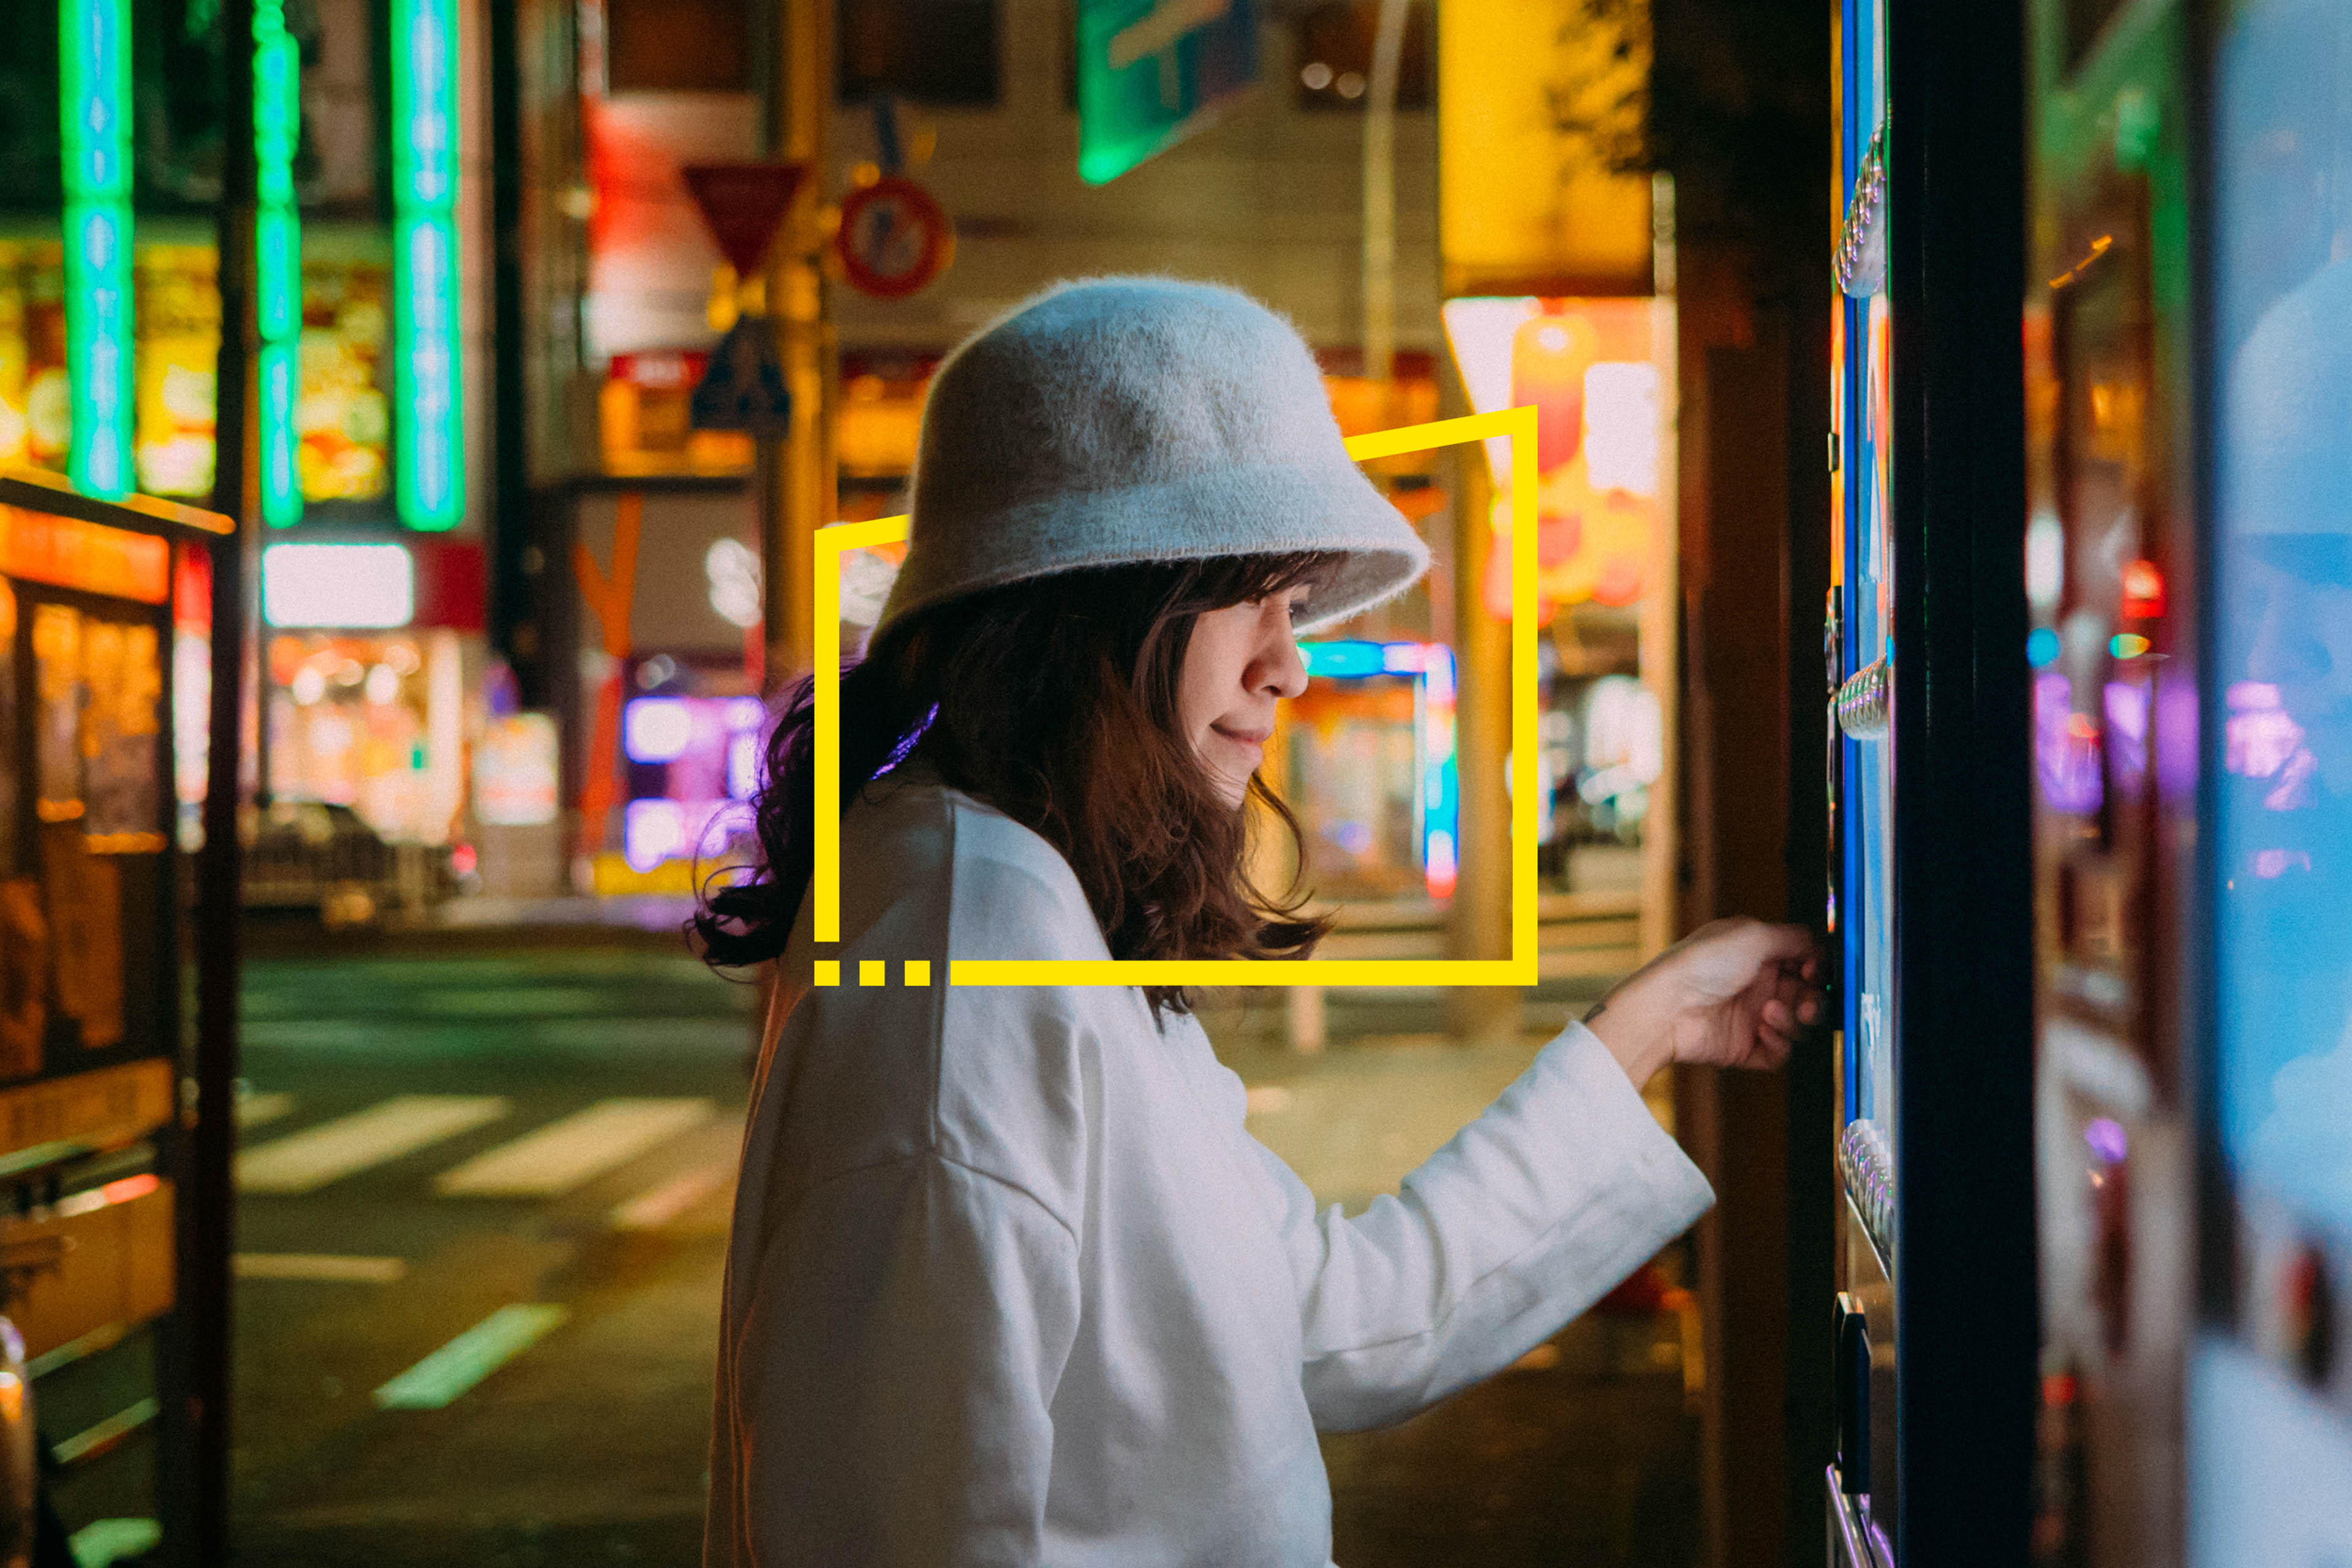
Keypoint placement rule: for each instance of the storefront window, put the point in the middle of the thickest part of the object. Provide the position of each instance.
(370, 723)
(678, 46)
(931, 51)
(1596, 372)
(344, 416)
(178, 338)
(642, 418)
(35, 398)
(1332, 46)
(344, 419)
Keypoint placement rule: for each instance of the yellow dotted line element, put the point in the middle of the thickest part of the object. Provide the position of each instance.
(872, 972)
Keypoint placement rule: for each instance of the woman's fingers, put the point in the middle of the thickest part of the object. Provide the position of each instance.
(1745, 990)
(1777, 945)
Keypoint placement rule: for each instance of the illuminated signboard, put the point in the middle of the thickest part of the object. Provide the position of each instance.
(348, 586)
(429, 486)
(94, 76)
(278, 257)
(41, 547)
(1592, 370)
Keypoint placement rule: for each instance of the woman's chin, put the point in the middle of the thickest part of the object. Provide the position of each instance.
(1234, 790)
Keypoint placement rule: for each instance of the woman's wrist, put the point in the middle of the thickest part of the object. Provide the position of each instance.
(1629, 1025)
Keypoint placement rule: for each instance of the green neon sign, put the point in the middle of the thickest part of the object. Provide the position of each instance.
(1152, 72)
(278, 258)
(429, 465)
(94, 74)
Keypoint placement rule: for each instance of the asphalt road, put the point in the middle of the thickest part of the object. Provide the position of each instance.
(480, 1239)
(379, 1227)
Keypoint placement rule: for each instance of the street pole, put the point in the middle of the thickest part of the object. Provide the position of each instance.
(199, 1351)
(1479, 922)
(798, 489)
(515, 632)
(1660, 642)
(1379, 201)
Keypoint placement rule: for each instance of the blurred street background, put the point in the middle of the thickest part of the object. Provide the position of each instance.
(458, 390)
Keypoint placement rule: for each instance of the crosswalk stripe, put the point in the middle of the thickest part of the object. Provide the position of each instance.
(89, 1443)
(578, 1149)
(306, 1160)
(102, 1542)
(656, 1207)
(472, 1356)
(335, 1268)
(253, 1110)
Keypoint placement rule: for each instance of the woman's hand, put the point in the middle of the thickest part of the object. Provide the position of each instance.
(1733, 993)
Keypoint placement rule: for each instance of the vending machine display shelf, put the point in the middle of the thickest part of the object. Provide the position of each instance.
(1867, 1168)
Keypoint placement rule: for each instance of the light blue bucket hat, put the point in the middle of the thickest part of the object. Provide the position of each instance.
(1111, 420)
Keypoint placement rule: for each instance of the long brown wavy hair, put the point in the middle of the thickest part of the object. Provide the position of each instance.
(1055, 701)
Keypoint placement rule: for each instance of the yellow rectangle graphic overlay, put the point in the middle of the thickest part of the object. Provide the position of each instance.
(1519, 969)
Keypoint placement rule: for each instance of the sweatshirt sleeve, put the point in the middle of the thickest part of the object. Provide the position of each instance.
(1530, 1213)
(895, 1370)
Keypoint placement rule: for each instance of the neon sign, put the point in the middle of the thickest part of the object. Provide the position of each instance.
(278, 257)
(94, 74)
(429, 465)
(1438, 801)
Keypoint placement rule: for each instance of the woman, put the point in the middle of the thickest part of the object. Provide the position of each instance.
(1010, 1281)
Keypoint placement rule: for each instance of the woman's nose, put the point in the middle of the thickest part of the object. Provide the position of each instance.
(1280, 669)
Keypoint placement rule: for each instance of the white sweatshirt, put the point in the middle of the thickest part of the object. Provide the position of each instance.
(1010, 1281)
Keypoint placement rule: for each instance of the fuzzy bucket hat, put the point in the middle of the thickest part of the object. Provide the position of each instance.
(1112, 420)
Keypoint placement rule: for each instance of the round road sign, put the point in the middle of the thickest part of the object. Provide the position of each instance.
(894, 239)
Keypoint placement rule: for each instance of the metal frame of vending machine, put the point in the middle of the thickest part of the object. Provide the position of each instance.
(116, 1211)
(1929, 903)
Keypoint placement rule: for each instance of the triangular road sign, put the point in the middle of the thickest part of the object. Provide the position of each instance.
(743, 386)
(741, 204)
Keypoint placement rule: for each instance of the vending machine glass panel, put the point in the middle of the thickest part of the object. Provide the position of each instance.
(2269, 1422)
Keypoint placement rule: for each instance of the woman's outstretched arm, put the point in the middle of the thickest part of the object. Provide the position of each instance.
(1538, 1208)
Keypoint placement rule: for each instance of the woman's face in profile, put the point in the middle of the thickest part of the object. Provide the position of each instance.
(1239, 663)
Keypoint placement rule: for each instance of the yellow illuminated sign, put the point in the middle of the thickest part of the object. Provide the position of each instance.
(1536, 100)
(1519, 424)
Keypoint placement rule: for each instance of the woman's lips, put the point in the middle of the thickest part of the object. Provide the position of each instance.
(1254, 738)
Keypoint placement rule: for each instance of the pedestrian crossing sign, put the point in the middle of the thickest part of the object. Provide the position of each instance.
(743, 386)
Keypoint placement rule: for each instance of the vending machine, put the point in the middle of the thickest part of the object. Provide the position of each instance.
(1929, 902)
(100, 1229)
